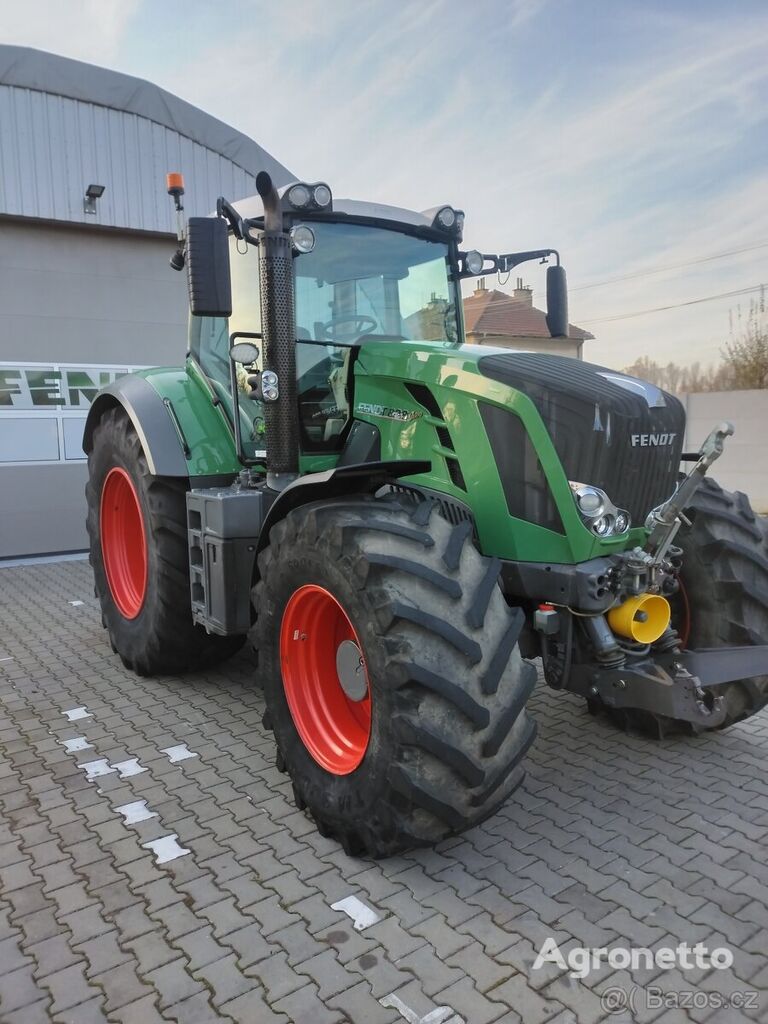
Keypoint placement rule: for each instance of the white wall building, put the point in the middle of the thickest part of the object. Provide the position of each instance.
(85, 287)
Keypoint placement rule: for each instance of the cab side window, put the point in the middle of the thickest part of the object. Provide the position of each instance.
(209, 341)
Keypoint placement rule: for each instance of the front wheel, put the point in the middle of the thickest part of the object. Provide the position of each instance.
(722, 601)
(724, 594)
(391, 671)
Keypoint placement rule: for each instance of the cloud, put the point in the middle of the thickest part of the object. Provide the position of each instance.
(90, 30)
(627, 136)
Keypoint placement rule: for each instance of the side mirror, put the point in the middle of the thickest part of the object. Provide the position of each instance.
(557, 302)
(208, 277)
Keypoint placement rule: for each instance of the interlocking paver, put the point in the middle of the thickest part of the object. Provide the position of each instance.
(611, 839)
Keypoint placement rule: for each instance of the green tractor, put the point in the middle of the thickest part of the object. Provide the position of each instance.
(399, 522)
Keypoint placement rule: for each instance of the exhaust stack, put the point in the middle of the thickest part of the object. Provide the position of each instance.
(278, 325)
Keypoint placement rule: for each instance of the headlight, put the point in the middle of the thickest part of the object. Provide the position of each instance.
(269, 387)
(446, 218)
(302, 238)
(598, 512)
(623, 522)
(322, 195)
(602, 525)
(589, 499)
(299, 196)
(473, 262)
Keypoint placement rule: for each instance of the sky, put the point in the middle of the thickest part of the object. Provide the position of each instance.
(632, 137)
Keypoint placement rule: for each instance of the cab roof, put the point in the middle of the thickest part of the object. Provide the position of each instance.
(253, 208)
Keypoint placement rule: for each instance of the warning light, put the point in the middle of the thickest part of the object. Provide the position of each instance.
(174, 182)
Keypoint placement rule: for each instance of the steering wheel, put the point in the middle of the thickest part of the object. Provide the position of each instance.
(360, 325)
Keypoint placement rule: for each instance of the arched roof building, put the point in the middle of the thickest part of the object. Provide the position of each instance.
(85, 288)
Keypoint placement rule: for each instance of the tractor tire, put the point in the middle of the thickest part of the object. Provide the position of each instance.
(138, 551)
(724, 600)
(432, 738)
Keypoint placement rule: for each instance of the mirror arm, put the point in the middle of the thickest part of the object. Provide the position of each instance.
(226, 210)
(508, 260)
(503, 263)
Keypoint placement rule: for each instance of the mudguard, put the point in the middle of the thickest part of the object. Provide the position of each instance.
(150, 414)
(364, 478)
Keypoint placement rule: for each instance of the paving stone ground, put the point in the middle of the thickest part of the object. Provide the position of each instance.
(613, 840)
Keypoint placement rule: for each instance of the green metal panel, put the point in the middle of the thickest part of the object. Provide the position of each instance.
(407, 430)
(205, 426)
(452, 375)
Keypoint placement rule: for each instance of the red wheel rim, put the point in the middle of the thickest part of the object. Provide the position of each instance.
(334, 728)
(123, 542)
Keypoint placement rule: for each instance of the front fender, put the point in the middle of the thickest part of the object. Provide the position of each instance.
(364, 478)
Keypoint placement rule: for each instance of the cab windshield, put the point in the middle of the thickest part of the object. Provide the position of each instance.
(362, 282)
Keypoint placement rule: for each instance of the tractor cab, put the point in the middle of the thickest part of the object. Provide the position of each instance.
(358, 277)
(310, 281)
(360, 272)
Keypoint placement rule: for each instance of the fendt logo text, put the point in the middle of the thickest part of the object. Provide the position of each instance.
(652, 440)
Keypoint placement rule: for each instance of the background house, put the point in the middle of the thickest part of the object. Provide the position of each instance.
(492, 317)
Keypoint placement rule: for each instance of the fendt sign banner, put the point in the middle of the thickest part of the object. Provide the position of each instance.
(43, 408)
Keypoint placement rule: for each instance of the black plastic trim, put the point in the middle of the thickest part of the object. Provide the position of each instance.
(365, 478)
(583, 586)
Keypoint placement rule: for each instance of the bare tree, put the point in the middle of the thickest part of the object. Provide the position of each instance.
(746, 355)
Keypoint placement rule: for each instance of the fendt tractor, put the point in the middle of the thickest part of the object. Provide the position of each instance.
(399, 522)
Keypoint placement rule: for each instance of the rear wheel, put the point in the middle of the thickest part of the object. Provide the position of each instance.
(138, 550)
(391, 671)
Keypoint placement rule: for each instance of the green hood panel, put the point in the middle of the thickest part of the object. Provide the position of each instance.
(410, 430)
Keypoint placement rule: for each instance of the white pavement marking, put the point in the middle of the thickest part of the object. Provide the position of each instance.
(440, 1014)
(135, 812)
(6, 659)
(74, 714)
(363, 915)
(93, 769)
(78, 743)
(178, 753)
(166, 848)
(129, 768)
(75, 604)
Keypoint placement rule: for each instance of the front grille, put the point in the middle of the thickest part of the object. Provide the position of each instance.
(592, 415)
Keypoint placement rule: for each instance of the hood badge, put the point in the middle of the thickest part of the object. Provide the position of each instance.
(653, 440)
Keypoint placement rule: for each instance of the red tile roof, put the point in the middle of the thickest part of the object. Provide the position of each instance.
(495, 312)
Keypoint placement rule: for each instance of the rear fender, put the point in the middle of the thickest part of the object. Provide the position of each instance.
(160, 436)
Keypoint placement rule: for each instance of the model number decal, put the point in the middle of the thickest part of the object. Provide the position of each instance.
(652, 440)
(386, 412)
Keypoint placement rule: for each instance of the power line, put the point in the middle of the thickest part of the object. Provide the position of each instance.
(675, 305)
(671, 266)
(511, 301)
